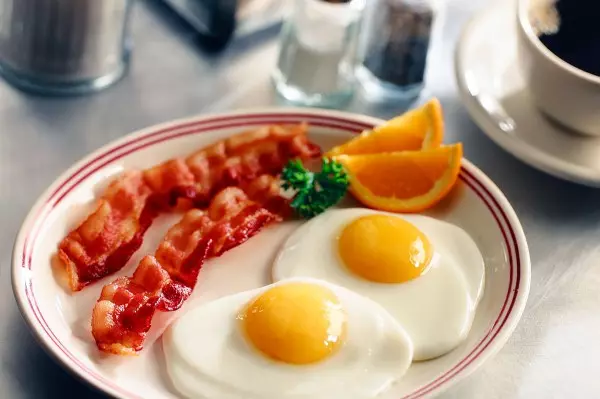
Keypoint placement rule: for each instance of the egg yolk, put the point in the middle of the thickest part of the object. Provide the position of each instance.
(384, 249)
(295, 323)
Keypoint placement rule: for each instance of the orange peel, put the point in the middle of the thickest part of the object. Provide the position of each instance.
(407, 181)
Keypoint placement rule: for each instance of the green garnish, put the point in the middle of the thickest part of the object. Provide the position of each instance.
(315, 192)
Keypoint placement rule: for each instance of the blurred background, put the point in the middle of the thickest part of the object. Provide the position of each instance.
(77, 74)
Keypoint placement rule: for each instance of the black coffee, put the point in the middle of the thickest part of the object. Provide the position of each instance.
(577, 40)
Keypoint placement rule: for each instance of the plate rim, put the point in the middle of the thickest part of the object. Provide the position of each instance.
(340, 119)
(515, 146)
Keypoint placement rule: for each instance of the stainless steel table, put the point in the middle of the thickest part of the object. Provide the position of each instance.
(552, 352)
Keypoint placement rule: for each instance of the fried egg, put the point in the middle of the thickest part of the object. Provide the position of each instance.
(300, 338)
(428, 274)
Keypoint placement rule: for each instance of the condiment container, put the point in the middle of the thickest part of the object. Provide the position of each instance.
(395, 47)
(64, 46)
(319, 53)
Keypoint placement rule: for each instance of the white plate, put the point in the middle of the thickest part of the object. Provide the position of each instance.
(61, 321)
(495, 94)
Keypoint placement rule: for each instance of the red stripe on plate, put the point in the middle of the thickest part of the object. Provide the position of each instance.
(482, 345)
(38, 314)
(252, 120)
(166, 135)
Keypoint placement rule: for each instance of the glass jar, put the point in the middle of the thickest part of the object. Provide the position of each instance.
(319, 53)
(396, 47)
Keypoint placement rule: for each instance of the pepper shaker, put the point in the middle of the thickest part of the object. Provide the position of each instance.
(319, 53)
(396, 48)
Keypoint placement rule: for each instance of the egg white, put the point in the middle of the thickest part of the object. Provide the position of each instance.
(207, 355)
(436, 309)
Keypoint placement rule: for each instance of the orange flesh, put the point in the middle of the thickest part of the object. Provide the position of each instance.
(420, 128)
(403, 176)
(408, 181)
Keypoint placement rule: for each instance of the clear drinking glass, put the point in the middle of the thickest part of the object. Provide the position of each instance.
(318, 54)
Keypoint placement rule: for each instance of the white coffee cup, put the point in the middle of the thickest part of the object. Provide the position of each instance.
(563, 92)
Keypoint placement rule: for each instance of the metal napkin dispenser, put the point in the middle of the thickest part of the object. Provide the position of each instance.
(64, 46)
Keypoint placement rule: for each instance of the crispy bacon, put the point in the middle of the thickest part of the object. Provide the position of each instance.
(243, 158)
(123, 314)
(107, 239)
(111, 234)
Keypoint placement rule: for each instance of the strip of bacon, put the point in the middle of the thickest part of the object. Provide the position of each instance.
(111, 234)
(108, 238)
(123, 314)
(242, 158)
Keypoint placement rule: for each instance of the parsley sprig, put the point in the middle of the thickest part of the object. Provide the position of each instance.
(315, 192)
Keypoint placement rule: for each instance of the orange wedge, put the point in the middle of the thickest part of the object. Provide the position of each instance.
(409, 181)
(418, 129)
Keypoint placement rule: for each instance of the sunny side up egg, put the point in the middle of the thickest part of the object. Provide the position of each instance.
(428, 274)
(296, 339)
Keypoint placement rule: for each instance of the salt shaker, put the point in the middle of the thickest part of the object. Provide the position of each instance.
(396, 47)
(319, 52)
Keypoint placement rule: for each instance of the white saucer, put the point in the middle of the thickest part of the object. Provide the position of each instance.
(494, 92)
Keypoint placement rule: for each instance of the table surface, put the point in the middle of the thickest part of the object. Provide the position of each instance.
(171, 77)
